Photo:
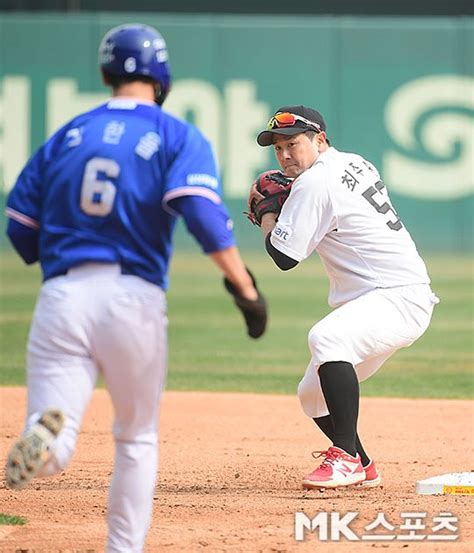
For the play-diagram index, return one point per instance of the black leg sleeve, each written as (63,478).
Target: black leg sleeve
(325,425)
(361,451)
(341,391)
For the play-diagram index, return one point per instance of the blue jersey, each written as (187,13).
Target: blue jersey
(103,189)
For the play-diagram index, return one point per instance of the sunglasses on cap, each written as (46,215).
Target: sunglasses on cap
(286,119)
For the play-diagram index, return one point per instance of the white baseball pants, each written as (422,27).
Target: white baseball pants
(96,320)
(365,332)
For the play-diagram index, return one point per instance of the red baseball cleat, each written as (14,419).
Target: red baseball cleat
(338,469)
(372,476)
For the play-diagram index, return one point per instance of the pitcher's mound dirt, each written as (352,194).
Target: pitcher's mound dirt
(230,474)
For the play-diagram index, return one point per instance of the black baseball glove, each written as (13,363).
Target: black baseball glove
(254,311)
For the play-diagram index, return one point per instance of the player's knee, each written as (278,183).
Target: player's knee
(132,433)
(306,396)
(328,344)
(319,340)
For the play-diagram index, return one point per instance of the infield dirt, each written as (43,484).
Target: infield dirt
(230,476)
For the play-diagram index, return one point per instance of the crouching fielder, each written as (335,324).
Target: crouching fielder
(338,205)
(97,206)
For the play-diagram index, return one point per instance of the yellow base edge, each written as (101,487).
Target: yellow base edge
(458,490)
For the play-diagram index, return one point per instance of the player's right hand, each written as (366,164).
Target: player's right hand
(254,196)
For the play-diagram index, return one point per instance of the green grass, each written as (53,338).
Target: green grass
(12,520)
(209,349)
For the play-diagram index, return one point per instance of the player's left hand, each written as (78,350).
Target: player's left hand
(267,195)
(254,311)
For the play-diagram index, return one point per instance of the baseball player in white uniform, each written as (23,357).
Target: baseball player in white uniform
(339,207)
(97,206)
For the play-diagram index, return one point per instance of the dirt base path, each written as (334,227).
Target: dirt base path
(230,474)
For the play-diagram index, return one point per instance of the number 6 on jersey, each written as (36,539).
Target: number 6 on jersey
(97,195)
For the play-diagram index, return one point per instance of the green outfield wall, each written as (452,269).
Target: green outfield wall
(399,91)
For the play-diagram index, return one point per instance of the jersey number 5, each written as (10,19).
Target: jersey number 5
(98,195)
(382,208)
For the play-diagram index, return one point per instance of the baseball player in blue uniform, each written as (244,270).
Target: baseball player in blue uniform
(96,206)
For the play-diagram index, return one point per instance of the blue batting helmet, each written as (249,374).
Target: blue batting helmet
(135,49)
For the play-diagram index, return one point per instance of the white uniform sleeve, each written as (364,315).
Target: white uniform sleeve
(307,215)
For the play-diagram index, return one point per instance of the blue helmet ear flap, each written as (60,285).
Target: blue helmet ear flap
(135,49)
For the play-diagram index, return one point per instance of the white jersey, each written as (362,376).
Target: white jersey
(340,208)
